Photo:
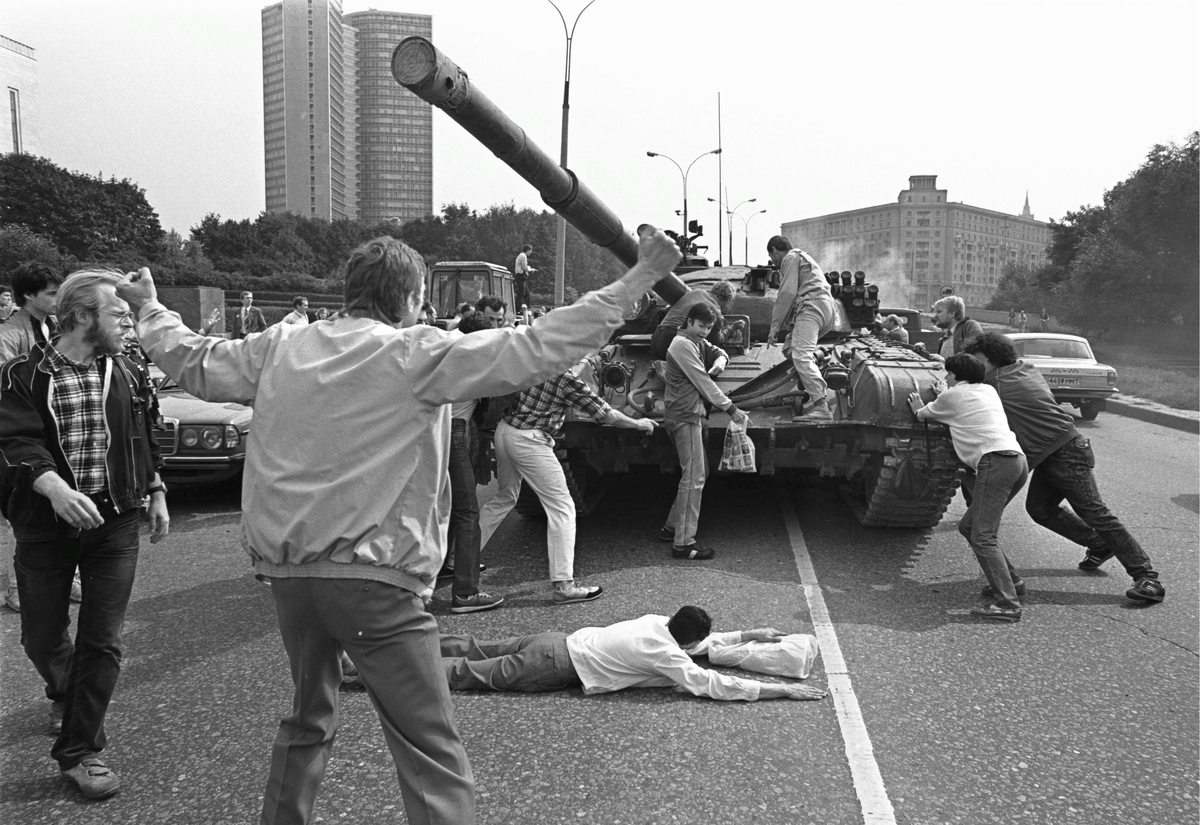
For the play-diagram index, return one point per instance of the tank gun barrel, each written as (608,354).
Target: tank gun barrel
(421,68)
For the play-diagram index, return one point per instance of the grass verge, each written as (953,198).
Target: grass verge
(1170,377)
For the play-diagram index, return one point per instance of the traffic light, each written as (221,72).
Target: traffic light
(695,228)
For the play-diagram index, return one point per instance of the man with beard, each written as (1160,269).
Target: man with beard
(950,314)
(77,461)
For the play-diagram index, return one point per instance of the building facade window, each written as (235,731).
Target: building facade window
(14,105)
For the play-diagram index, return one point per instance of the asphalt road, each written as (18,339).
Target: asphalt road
(1084,712)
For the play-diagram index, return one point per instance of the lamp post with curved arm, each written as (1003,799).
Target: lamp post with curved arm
(746,253)
(684,175)
(731,212)
(560,241)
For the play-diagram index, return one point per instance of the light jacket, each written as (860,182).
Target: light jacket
(31,445)
(345,473)
(20,333)
(801,281)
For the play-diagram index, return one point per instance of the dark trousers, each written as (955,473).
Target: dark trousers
(393,642)
(1067,474)
(529,664)
(82,675)
(520,291)
(464,510)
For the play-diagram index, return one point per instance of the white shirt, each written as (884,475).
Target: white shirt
(463,410)
(522,265)
(642,653)
(296,316)
(976,419)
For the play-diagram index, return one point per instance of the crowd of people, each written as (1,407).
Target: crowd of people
(352,531)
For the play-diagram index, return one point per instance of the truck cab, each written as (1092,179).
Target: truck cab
(451,283)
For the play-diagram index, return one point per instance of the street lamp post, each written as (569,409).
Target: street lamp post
(731,212)
(560,241)
(746,253)
(684,175)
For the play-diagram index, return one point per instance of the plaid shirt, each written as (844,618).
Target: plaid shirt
(78,406)
(544,406)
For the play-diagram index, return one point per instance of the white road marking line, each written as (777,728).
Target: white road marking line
(868,782)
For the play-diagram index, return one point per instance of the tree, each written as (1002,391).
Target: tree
(19,245)
(86,217)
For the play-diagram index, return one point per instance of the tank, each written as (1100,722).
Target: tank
(862,449)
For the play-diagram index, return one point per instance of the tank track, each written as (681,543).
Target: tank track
(871,494)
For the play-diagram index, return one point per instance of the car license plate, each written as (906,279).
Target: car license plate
(1064,382)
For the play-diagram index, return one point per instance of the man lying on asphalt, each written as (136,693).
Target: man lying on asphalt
(346,497)
(652,651)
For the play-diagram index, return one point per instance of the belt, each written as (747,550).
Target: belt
(102,500)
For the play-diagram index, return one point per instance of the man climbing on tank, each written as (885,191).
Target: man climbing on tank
(804,311)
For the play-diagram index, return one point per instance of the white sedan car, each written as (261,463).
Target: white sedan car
(1067,364)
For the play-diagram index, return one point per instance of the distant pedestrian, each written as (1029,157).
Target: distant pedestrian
(1023,320)
(299,314)
(1061,462)
(1012,318)
(1045,327)
(350,528)
(250,317)
(996,471)
(77,460)
(521,273)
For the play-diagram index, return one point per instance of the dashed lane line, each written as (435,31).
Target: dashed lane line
(864,770)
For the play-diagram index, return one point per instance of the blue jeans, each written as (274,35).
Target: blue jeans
(1067,474)
(684,517)
(393,642)
(529,664)
(82,675)
(464,512)
(999,477)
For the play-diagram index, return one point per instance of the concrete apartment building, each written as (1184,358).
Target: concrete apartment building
(342,138)
(921,244)
(19,81)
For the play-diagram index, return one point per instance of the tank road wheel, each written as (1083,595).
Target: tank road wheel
(587,487)
(1088,410)
(872,497)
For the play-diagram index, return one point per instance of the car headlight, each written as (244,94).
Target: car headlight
(232,437)
(189,437)
(212,437)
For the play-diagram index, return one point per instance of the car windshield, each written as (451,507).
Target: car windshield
(1053,348)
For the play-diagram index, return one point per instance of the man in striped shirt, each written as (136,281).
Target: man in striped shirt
(524,443)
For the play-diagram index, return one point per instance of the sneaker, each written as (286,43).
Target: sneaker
(76,589)
(998,613)
(666,533)
(817,412)
(571,592)
(476,603)
(11,600)
(694,552)
(1146,590)
(1094,559)
(95,779)
(1018,582)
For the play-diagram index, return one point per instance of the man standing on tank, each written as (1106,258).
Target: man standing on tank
(806,307)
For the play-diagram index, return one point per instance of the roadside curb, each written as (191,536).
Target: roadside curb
(1162,416)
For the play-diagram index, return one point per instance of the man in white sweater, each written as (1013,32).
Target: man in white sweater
(996,471)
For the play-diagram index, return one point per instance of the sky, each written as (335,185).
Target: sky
(824,106)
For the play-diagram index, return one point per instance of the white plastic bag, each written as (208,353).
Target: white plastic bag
(792,655)
(738,454)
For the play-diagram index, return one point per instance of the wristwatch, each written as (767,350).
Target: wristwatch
(156,488)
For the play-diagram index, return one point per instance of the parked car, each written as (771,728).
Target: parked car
(202,442)
(1067,364)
